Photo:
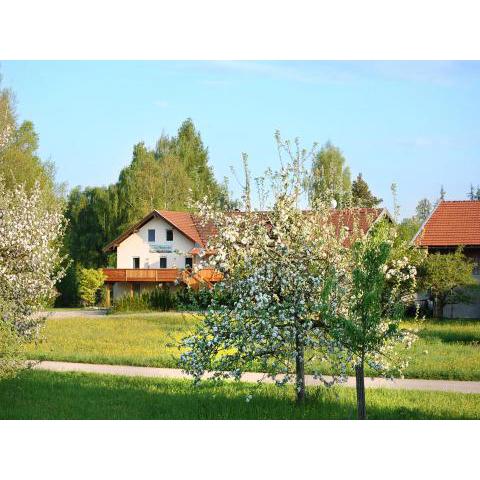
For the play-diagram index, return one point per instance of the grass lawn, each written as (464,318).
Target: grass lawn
(48,395)
(117,339)
(448,349)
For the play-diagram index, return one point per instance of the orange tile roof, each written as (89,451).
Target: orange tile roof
(192,226)
(452,223)
(184,222)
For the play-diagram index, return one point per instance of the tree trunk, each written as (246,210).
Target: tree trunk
(438,307)
(360,381)
(300,370)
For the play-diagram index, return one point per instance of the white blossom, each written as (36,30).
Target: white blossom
(29,257)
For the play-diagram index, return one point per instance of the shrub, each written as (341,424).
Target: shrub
(157,299)
(193,300)
(162,299)
(135,303)
(90,280)
(11,353)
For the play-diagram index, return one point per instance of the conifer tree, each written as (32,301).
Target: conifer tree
(361,194)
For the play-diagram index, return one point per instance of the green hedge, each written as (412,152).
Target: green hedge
(162,299)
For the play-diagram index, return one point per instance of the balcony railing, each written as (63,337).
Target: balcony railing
(161,275)
(141,274)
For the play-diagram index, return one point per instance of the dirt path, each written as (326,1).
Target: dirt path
(398,384)
(74,313)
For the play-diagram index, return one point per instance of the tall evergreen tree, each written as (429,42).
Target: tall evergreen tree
(194,156)
(330,177)
(442,193)
(140,186)
(361,194)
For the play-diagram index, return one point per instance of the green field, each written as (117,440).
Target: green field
(48,395)
(445,350)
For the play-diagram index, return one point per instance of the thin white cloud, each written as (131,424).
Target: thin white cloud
(216,83)
(424,142)
(161,104)
(315,72)
(440,73)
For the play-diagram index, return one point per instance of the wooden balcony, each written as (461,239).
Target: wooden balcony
(161,275)
(141,274)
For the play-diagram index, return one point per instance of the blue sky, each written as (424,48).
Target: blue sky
(413,123)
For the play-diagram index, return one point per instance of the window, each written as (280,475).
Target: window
(188,262)
(136,262)
(151,235)
(163,262)
(169,235)
(136,289)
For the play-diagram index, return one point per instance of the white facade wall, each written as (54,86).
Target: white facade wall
(137,245)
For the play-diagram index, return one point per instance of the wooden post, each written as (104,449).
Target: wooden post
(107,295)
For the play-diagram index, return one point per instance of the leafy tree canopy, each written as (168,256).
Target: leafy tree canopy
(330,177)
(443,275)
(423,210)
(19,160)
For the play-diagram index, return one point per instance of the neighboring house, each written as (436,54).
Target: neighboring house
(162,248)
(450,225)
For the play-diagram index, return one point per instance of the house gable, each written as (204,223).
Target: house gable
(150,253)
(182,221)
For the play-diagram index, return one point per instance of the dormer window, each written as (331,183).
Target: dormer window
(151,235)
(169,235)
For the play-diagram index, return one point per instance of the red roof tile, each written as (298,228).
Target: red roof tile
(192,226)
(351,217)
(184,222)
(452,223)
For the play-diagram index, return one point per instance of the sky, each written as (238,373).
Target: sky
(416,124)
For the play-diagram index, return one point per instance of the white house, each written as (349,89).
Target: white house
(158,250)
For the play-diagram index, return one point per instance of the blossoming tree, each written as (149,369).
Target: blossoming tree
(380,285)
(29,267)
(283,270)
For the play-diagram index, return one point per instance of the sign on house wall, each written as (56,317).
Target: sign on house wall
(161,248)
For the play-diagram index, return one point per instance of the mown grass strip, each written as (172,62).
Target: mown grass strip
(49,395)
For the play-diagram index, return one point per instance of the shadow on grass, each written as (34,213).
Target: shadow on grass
(48,395)
(452,336)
